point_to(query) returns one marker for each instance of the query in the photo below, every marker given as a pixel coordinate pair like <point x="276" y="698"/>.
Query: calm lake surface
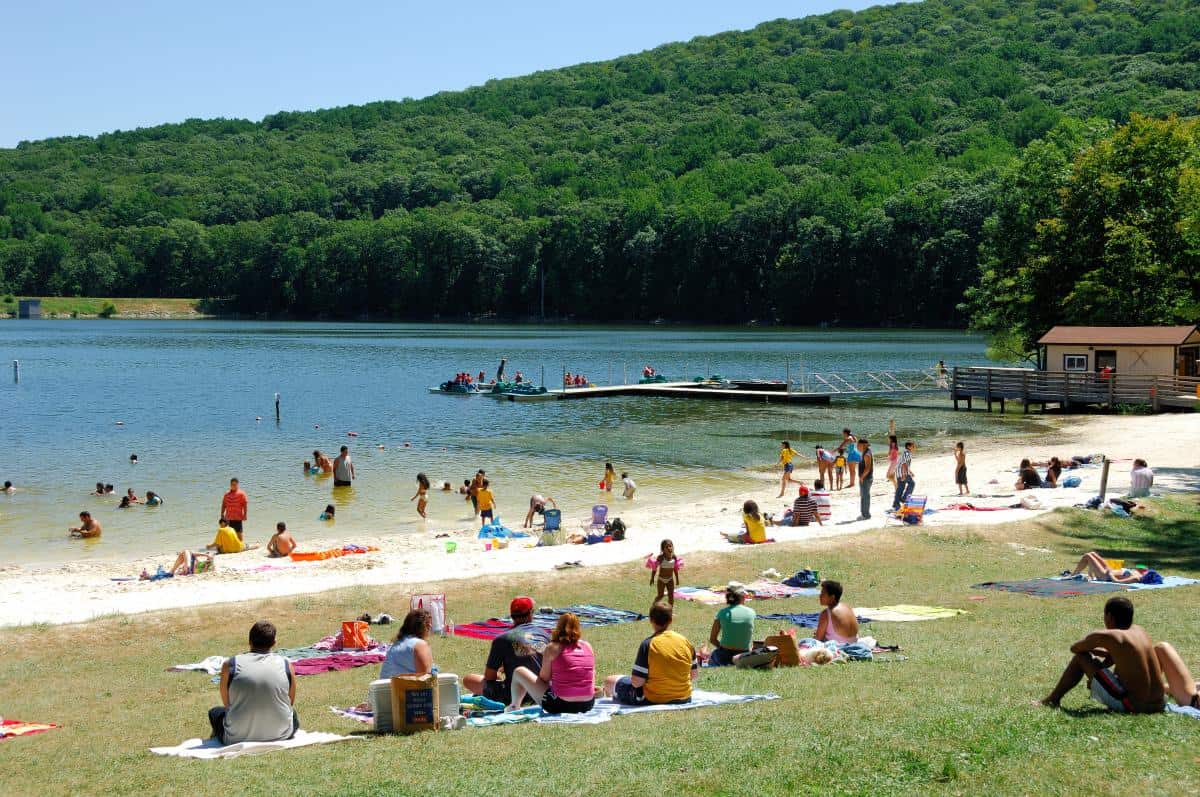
<point x="189" y="394"/>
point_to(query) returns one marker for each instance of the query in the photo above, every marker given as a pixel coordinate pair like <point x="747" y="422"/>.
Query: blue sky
<point x="88" y="66"/>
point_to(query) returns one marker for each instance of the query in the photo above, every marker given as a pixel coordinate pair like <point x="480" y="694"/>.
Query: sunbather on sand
<point x="1098" y="570"/>
<point x="1134" y="684"/>
<point x="185" y="562"/>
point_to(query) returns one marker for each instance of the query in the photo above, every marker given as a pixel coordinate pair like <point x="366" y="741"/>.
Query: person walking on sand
<point x="904" y="477"/>
<point x="960" y="469"/>
<point x="422" y="489"/>
<point x="866" y="475"/>
<point x="343" y="469"/>
<point x="786" y="454"/>
<point x="234" y="507"/>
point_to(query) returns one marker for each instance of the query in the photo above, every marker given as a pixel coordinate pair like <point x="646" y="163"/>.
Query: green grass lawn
<point x="87" y="306"/>
<point x="955" y="717"/>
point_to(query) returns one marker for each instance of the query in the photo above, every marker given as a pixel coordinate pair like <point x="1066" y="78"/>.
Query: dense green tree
<point x="851" y="167"/>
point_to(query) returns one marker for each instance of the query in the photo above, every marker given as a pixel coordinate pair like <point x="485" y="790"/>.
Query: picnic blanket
<point x="603" y="711"/>
<point x="11" y="728"/>
<point x="1060" y="587"/>
<point x="212" y="747"/>
<point x="1186" y="711"/>
<point x="308" y="660"/>
<point x="908" y="613"/>
<point x="330" y="553"/>
<point x="336" y="661"/>
<point x="544" y="619"/>
<point x="757" y="590"/>
<point x="803" y="619"/>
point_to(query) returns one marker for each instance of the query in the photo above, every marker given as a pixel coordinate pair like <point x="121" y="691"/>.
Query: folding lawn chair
<point x="553" y="518"/>
<point x="599" y="517"/>
<point x="913" y="510"/>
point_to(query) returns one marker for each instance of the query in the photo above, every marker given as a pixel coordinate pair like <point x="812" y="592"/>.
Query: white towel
<point x="212" y="748"/>
<point x="212" y="665"/>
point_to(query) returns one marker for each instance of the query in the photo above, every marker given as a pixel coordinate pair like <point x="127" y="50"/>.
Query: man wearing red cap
<point x="520" y="646"/>
<point x="805" y="510"/>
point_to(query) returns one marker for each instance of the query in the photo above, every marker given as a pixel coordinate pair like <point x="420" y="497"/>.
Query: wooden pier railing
<point x="1071" y="389"/>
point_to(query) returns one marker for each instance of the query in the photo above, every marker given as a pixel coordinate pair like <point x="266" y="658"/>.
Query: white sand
<point x="77" y="592"/>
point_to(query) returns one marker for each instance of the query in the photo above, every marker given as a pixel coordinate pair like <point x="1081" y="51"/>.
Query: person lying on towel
<point x="1120" y="664"/>
<point x="1098" y="570"/>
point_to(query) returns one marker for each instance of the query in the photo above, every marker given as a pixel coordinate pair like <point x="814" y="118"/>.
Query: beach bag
<point x="803" y="578"/>
<point x="435" y="604"/>
<point x="1031" y="502"/>
<point x="1072" y="481"/>
<point x="787" y="653"/>
<point x="354" y="635"/>
<point x="616" y="528"/>
<point x="761" y="657"/>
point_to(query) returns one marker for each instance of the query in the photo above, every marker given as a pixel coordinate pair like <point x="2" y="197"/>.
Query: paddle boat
<point x="452" y="388"/>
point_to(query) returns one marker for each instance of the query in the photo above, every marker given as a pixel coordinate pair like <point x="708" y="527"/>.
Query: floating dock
<point x="692" y="390"/>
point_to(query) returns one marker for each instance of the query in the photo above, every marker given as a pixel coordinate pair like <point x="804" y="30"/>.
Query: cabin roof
<point x="1119" y="336"/>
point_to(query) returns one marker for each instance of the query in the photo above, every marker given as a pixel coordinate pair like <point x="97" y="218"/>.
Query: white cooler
<point x="379" y="695"/>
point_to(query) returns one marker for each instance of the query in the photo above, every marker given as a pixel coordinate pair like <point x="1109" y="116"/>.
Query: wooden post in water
<point x="1104" y="479"/>
<point x="16" y="371"/>
<point x="610" y="373"/>
<point x="543" y="382"/>
<point x="276" y="408"/>
<point x="788" y="379"/>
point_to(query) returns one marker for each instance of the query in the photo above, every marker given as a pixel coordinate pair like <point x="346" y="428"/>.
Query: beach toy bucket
<point x="608" y="538"/>
<point x="451" y="546"/>
<point x="487" y="546"/>
<point x="1115" y="564"/>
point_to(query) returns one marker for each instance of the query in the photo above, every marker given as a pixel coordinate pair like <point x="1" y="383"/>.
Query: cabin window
<point x="1075" y="362"/>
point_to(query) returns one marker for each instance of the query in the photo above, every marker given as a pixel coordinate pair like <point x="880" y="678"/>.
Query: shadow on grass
<point x="1167" y="540"/>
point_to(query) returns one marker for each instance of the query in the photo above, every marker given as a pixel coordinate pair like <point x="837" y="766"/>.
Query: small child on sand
<point x="422" y="489"/>
<point x="839" y="468"/>
<point x="665" y="570"/>
<point x="960" y="469"/>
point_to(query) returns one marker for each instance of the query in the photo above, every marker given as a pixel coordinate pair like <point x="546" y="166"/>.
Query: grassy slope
<point x="953" y="718"/>
<point x="64" y="306"/>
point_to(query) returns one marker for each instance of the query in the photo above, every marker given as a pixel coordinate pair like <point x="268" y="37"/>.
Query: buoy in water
<point x="258" y="419"/>
<point x="409" y="445"/>
<point x="120" y="423"/>
<point x="351" y="434"/>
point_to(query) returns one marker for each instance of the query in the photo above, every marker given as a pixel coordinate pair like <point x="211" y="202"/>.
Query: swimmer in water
<point x="88" y="526"/>
<point x="328" y="513"/>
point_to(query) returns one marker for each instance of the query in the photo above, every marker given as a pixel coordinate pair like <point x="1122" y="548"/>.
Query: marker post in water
<point x="276" y="408"/>
<point x="16" y="370"/>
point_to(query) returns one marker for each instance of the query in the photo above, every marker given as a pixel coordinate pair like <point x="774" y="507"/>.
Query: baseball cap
<point x="736" y="587"/>
<point x="521" y="605"/>
<point x="804" y="489"/>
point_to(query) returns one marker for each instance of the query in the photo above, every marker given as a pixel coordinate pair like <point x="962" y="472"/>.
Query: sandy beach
<point x="76" y="592"/>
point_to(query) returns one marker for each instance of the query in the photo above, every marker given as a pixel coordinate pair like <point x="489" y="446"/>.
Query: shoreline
<point x="80" y="591"/>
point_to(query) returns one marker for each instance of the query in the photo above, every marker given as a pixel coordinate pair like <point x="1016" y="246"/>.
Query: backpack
<point x="615" y="528"/>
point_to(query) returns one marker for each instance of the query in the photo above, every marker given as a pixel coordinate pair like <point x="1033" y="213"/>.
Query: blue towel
<point x="802" y="619"/>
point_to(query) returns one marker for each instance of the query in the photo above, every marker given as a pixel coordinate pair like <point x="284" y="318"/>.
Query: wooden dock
<point x="1068" y="390"/>
<point x="690" y="390"/>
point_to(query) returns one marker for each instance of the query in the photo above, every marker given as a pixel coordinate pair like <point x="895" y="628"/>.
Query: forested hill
<point x="839" y="167"/>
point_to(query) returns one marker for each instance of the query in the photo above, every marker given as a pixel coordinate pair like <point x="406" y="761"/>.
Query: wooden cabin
<point x="1130" y="351"/>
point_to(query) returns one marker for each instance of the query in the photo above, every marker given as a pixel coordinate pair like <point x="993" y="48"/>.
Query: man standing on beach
<point x="866" y="474"/>
<point x="233" y="507"/>
<point x="343" y="469"/>
<point x="904" y="477"/>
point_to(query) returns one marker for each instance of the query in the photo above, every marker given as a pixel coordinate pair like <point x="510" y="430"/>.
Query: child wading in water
<point x="422" y="489"/>
<point x="960" y="469"/>
<point x="610" y="476"/>
<point x="665" y="570"/>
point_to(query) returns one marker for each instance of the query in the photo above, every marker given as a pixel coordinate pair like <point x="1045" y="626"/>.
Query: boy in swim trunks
<point x="1120" y="663"/>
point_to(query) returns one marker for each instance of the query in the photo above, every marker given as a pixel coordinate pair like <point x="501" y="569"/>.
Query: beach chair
<point x="553" y="518"/>
<point x="913" y="510"/>
<point x="599" y="517"/>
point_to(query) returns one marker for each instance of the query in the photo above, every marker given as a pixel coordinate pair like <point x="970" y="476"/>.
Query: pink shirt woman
<point x="566" y="682"/>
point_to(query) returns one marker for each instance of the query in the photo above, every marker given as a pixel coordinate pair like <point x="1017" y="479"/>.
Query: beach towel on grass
<point x="1167" y="583"/>
<point x="1186" y="711"/>
<point x="803" y="619"/>
<point x="212" y="747"/>
<point x="758" y="590"/>
<point x="908" y="613"/>
<point x="606" y="709"/>
<point x="1053" y="587"/>
<point x="305" y="661"/>
<point x="544" y="619"/>
<point x="13" y="728"/>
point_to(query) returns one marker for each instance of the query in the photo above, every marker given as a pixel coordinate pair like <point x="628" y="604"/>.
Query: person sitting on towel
<point x="756" y="526"/>
<point x="733" y="628"/>
<point x="1134" y="685"/>
<point x="258" y="692"/>
<point x="663" y="669"/>
<point x="1028" y="478"/>
<point x="1098" y="570"/>
<point x="837" y="622"/>
<point x="520" y="646"/>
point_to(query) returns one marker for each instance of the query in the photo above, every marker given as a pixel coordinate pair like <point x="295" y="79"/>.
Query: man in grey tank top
<point x="258" y="690"/>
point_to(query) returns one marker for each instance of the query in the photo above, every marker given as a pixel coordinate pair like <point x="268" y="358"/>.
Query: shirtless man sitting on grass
<point x="1135" y="684"/>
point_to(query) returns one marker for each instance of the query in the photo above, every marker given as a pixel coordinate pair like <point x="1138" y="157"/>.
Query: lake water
<point x="188" y="394"/>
